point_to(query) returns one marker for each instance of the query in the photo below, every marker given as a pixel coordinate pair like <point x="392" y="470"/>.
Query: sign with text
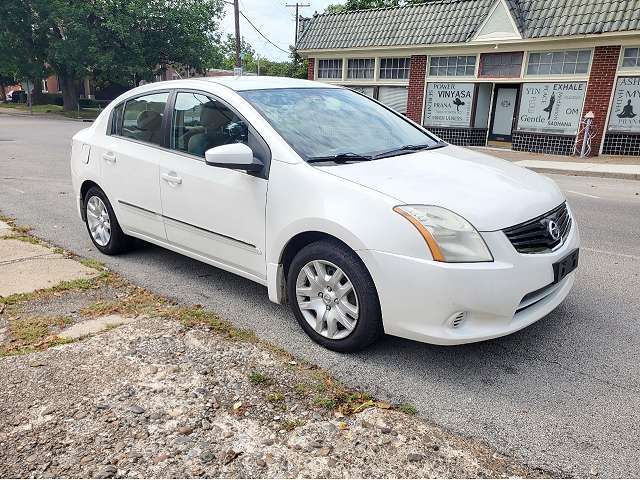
<point x="449" y="104"/>
<point x="552" y="107"/>
<point x="625" y="108"/>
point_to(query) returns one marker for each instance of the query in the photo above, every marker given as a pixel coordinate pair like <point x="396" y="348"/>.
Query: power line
<point x="257" y="30"/>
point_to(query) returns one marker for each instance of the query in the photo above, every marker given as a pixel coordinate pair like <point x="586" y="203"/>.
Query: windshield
<point x="330" y="122"/>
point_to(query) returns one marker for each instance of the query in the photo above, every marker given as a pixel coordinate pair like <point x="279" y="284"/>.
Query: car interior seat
<point x="149" y="125"/>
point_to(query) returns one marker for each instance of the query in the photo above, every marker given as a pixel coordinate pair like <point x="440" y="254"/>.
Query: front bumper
<point x="420" y="299"/>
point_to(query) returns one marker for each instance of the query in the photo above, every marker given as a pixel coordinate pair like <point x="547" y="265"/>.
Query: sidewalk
<point x="606" y="166"/>
<point x="48" y="113"/>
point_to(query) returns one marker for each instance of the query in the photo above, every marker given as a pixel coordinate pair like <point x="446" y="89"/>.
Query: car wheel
<point x="102" y="224"/>
<point x="333" y="297"/>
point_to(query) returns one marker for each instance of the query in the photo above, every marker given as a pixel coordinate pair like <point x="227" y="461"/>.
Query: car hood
<point x="489" y="192"/>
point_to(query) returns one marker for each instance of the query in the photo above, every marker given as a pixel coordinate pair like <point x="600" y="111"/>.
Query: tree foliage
<point x="114" y="39"/>
<point x="350" y="5"/>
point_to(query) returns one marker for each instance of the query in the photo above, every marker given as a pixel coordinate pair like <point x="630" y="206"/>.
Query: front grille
<point x="535" y="236"/>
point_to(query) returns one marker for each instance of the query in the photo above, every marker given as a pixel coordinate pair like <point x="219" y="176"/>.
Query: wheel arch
<point x="84" y="188"/>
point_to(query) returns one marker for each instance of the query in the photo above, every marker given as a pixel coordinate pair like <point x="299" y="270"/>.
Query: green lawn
<point x="89" y="113"/>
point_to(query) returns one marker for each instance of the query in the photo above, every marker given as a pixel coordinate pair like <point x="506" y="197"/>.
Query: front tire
<point x="333" y="297"/>
<point x="102" y="224"/>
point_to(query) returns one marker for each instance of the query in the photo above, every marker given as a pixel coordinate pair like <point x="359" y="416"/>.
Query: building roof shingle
<point x="456" y="21"/>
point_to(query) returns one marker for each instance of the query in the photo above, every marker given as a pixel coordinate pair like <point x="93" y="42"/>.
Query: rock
<point x="107" y="472"/>
<point x="385" y="430"/>
<point x="207" y="456"/>
<point x="414" y="457"/>
<point x="324" y="451"/>
<point x="185" y="430"/>
<point x="137" y="409"/>
<point x="261" y="463"/>
<point x="160" y="458"/>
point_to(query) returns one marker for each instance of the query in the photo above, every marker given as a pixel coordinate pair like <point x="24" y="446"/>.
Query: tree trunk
<point x="69" y="88"/>
<point x="3" y="95"/>
<point x="37" y="96"/>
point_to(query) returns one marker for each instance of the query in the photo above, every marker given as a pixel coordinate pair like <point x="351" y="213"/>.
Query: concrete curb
<point x="587" y="173"/>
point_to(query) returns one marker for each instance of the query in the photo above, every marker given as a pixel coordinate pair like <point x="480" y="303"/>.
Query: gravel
<point x="154" y="399"/>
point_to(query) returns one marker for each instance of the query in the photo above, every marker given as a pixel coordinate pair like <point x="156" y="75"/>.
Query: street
<point x="563" y="394"/>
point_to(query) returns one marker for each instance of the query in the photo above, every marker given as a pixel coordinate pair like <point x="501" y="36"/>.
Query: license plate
<point x="565" y="266"/>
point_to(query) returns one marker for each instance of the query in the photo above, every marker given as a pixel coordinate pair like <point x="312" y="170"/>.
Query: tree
<point x="115" y="39"/>
<point x="351" y="5"/>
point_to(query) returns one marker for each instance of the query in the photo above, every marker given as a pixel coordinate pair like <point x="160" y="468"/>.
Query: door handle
<point x="171" y="179"/>
<point x="109" y="157"/>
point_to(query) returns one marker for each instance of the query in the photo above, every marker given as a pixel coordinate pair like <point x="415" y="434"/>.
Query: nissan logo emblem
<point x="553" y="229"/>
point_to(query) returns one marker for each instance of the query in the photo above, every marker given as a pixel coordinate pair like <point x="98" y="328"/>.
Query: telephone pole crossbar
<point x="297" y="6"/>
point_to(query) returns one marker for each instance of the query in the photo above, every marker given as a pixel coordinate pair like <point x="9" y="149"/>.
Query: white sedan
<point x="361" y="220"/>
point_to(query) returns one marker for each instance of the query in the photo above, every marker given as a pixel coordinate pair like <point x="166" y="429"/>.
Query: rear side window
<point x="142" y="118"/>
<point x="116" y="120"/>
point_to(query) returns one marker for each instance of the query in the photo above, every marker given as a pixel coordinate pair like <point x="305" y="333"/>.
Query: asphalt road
<point x="562" y="394"/>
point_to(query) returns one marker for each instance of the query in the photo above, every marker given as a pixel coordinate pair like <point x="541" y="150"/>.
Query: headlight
<point x="449" y="236"/>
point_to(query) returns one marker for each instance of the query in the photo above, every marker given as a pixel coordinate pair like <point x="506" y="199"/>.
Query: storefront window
<point x="330" y="68"/>
<point x="368" y="91"/>
<point x="500" y="65"/>
<point x="452" y="66"/>
<point x="625" y="108"/>
<point x="551" y="107"/>
<point x="394" y="97"/>
<point x="360" y="67"/>
<point x="631" y="58"/>
<point x="449" y="104"/>
<point x="559" y="63"/>
<point x="394" y="68"/>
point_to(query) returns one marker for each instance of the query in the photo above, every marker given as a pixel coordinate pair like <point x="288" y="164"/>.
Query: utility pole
<point x="297" y="6"/>
<point x="236" y="14"/>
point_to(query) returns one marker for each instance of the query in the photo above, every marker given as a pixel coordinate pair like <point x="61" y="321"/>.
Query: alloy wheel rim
<point x="98" y="221"/>
<point x="327" y="299"/>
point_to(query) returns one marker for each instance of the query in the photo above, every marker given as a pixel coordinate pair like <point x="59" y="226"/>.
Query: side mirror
<point x="236" y="156"/>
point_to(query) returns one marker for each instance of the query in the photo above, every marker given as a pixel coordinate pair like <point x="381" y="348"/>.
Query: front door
<point x="504" y="111"/>
<point x="214" y="213"/>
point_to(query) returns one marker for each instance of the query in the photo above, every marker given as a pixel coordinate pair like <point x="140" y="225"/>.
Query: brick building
<point x="520" y="74"/>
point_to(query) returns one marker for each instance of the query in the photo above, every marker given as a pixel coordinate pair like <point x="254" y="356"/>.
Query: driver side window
<point x="200" y="123"/>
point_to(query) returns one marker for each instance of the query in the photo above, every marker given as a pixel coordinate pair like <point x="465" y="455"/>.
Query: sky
<point x="274" y="20"/>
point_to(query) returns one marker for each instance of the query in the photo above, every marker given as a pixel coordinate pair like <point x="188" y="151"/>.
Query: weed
<point x="324" y="402"/>
<point x="275" y="396"/>
<point x="408" y="409"/>
<point x="258" y="378"/>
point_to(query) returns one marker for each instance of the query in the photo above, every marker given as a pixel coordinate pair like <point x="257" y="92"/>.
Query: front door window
<point x="503" y="113"/>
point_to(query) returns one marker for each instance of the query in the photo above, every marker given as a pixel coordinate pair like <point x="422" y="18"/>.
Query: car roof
<point x="239" y="83"/>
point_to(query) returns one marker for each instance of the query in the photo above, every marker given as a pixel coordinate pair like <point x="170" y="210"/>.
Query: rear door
<point x="129" y="161"/>
<point x="213" y="212"/>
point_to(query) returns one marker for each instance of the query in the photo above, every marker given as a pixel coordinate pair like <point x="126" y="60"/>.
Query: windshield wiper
<point x="340" y="158"/>
<point x="410" y="149"/>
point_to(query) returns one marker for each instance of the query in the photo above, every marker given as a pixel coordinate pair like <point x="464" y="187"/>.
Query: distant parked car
<point x="17" y="96"/>
<point x="363" y="221"/>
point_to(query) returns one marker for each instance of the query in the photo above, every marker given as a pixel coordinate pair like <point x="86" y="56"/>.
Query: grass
<point x="258" y="378"/>
<point x="275" y="397"/>
<point x="408" y="409"/>
<point x="31" y="333"/>
<point x="85" y="113"/>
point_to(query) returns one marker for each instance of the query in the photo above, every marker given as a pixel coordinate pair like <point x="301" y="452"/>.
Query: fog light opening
<point x="457" y="319"/>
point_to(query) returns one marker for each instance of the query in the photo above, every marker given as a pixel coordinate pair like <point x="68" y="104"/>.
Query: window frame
<point x="357" y="68"/>
<point x="264" y="173"/>
<point x="455" y="75"/>
<point x="124" y="102"/>
<point x="563" y="51"/>
<point x="485" y="55"/>
<point x="341" y="69"/>
<point x="627" y="69"/>
<point x="381" y="68"/>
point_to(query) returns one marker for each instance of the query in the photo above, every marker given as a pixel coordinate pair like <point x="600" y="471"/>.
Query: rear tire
<point x="102" y="224"/>
<point x="333" y="297"/>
